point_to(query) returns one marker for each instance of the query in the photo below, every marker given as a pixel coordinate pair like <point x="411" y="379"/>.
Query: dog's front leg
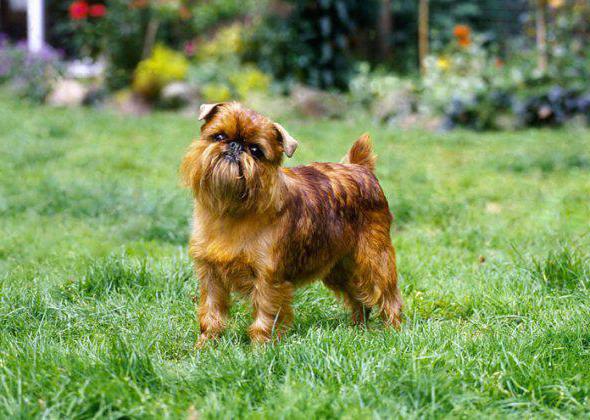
<point x="272" y="309"/>
<point x="213" y="304"/>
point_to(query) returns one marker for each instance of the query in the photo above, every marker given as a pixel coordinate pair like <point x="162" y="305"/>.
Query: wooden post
<point x="541" y="32"/>
<point x="385" y="25"/>
<point x="422" y="34"/>
<point x="35" y="25"/>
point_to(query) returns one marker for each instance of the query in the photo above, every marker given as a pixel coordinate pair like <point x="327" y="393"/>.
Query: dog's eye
<point x="256" y="151"/>
<point x="219" y="137"/>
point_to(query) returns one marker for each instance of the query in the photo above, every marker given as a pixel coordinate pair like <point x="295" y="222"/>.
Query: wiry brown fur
<point x="262" y="230"/>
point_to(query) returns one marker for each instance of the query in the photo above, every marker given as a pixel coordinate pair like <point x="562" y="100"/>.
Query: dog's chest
<point x="234" y="247"/>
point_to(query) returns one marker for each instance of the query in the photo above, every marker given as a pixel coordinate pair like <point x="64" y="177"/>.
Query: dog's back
<point x="330" y="205"/>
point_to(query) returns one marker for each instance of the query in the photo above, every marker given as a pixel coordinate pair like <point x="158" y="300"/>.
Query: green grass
<point x="96" y="311"/>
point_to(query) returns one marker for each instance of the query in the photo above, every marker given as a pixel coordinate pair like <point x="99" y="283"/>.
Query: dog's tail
<point x="361" y="153"/>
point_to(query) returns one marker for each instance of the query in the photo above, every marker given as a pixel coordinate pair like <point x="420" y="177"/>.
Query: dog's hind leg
<point x="339" y="281"/>
<point x="374" y="280"/>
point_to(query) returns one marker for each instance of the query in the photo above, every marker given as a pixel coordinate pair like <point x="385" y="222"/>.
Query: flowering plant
<point x="155" y="72"/>
<point x="462" y="34"/>
<point x="88" y="25"/>
<point x="461" y="72"/>
<point x="29" y="75"/>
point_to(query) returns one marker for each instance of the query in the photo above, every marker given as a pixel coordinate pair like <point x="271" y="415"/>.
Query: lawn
<point x="96" y="289"/>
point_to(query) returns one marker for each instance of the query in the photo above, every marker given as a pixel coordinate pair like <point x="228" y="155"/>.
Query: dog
<point x="262" y="230"/>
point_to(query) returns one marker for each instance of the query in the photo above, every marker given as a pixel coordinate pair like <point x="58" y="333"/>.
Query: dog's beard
<point x="229" y="185"/>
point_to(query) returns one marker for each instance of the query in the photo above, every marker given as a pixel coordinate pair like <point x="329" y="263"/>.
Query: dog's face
<point x="233" y="167"/>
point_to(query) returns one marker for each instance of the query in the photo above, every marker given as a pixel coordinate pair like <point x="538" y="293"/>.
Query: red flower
<point x="98" y="10"/>
<point x="78" y="10"/>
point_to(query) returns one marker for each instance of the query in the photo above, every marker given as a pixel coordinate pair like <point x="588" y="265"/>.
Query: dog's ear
<point x="289" y="143"/>
<point x="207" y="110"/>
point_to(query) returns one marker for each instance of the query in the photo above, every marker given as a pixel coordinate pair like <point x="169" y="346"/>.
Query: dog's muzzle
<point x="233" y="151"/>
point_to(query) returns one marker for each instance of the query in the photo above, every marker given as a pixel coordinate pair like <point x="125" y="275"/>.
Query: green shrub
<point x="164" y="66"/>
<point x="312" y="44"/>
<point x="29" y="75"/>
<point x="219" y="72"/>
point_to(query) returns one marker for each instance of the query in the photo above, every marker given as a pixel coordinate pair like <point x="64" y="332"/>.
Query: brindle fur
<point x="262" y="230"/>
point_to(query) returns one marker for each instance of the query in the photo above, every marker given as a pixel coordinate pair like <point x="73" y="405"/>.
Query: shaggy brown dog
<point x="263" y="230"/>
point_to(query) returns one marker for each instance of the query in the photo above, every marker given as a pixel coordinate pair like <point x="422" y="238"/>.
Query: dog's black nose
<point x="236" y="147"/>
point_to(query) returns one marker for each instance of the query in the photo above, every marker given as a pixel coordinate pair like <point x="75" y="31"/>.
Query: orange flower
<point x="464" y="42"/>
<point x="462" y="31"/>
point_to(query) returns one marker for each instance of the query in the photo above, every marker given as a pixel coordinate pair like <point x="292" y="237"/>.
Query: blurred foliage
<point x="123" y="35"/>
<point x="310" y="41"/>
<point x="366" y="87"/>
<point x="316" y="42"/>
<point x="249" y="79"/>
<point x="461" y="72"/>
<point x="218" y="69"/>
<point x="164" y="66"/>
<point x="124" y="41"/>
<point x="223" y="80"/>
<point x="29" y="75"/>
<point x="473" y="87"/>
<point x="482" y="73"/>
<point x="497" y="19"/>
<point x="216" y="92"/>
<point x="226" y="43"/>
<point x="386" y="95"/>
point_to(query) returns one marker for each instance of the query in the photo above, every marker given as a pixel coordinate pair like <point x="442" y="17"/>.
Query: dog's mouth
<point x="226" y="177"/>
<point x="230" y="157"/>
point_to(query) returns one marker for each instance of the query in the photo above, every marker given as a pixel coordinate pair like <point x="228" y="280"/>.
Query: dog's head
<point x="233" y="166"/>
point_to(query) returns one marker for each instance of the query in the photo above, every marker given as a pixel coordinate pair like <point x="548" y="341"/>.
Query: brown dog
<point x="262" y="230"/>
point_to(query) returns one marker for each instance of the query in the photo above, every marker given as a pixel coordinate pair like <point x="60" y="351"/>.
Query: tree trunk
<point x="422" y="34"/>
<point x="150" y="37"/>
<point x="385" y="27"/>
<point x="541" y="23"/>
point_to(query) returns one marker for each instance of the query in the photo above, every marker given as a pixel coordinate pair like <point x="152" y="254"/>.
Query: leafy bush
<point x="226" y="43"/>
<point x="127" y="29"/>
<point x="218" y="70"/>
<point x="87" y="25"/>
<point x="164" y="66"/>
<point x="366" y="86"/>
<point x="29" y="75"/>
<point x="312" y="43"/>
<point x="249" y="79"/>
<point x="462" y="71"/>
<point x="216" y="92"/>
<point x="554" y="107"/>
<point x="386" y="95"/>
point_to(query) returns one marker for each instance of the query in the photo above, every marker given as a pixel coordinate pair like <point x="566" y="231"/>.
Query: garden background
<point x="479" y="112"/>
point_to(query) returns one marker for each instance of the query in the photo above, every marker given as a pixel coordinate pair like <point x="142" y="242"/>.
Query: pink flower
<point x="189" y="48"/>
